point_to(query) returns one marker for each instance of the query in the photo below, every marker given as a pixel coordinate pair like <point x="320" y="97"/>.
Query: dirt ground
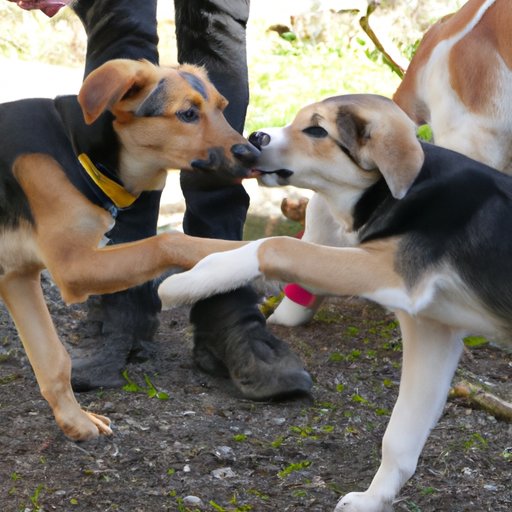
<point x="205" y="448"/>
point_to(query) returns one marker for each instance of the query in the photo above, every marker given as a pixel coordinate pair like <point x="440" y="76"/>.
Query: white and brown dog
<point x="430" y="226"/>
<point x="460" y="83"/>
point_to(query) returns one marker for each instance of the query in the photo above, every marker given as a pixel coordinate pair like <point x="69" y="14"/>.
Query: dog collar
<point x="114" y="191"/>
<point x="299" y="295"/>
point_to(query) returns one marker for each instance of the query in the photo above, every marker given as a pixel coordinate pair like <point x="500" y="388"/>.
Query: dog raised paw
<point x="217" y="273"/>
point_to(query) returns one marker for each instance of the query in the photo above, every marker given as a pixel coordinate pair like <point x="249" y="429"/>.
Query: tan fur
<point x="446" y="27"/>
<point x="67" y="228"/>
<point x="344" y="271"/>
<point x="460" y="82"/>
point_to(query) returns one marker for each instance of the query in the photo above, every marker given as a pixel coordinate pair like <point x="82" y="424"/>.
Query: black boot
<point x="231" y="339"/>
<point x="121" y="328"/>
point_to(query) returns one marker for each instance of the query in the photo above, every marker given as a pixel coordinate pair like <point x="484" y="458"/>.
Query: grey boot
<point x="231" y="339"/>
<point x="121" y="329"/>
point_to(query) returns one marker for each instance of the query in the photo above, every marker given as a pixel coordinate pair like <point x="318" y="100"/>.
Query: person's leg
<point x="230" y="334"/>
<point x="122" y="325"/>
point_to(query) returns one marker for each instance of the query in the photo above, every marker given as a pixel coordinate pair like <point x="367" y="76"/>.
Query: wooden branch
<point x="365" y="25"/>
<point x="482" y="399"/>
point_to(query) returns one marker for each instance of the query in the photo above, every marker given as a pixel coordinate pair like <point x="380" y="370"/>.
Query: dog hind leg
<point x="431" y="352"/>
<point x="24" y="299"/>
<point x="320" y="228"/>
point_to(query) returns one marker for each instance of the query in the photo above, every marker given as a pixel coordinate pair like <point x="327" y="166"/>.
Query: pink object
<point x="49" y="7"/>
<point x="299" y="295"/>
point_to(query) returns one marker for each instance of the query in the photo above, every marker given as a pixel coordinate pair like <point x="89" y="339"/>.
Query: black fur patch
<point x="196" y="83"/>
<point x="154" y="104"/>
<point x="458" y="211"/>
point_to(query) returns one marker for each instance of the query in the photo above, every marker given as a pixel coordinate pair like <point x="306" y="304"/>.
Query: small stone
<point x="193" y="501"/>
<point x="222" y="473"/>
<point x="224" y="453"/>
<point x="186" y="469"/>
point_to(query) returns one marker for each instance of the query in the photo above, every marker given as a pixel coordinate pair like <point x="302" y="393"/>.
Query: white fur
<point x="217" y="273"/>
<point x="429" y="349"/>
<point x="484" y="137"/>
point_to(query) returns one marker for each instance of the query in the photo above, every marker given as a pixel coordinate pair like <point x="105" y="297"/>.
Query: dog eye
<point x="315" y="131"/>
<point x="190" y="115"/>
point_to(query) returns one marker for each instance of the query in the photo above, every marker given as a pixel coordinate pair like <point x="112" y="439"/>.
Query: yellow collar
<point x="113" y="190"/>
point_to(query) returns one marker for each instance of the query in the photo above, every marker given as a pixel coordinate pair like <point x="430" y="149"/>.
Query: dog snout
<point x="246" y="154"/>
<point x="259" y="139"/>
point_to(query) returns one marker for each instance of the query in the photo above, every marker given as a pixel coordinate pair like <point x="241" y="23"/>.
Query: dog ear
<point x="154" y="104"/>
<point x="382" y="137"/>
<point x="111" y="83"/>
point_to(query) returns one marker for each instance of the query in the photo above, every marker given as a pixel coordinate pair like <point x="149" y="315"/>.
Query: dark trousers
<point x="209" y="33"/>
<point x="212" y="34"/>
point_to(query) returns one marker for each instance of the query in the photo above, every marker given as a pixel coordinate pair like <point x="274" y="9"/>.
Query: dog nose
<point x="259" y="139"/>
<point x="245" y="153"/>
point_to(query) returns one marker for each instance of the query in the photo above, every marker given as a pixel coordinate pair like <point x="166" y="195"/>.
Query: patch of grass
<point x="7" y="379"/>
<point x="357" y="398"/>
<point x="476" y="442"/>
<point x="305" y="431"/>
<point x="336" y="357"/>
<point x="292" y="468"/>
<point x="428" y="491"/>
<point x="258" y="494"/>
<point x="277" y="442"/>
<point x="412" y="507"/>
<point x="327" y="316"/>
<point x="149" y="389"/>
<point x="475" y="341"/>
<point x="352" y="330"/>
<point x="34" y="499"/>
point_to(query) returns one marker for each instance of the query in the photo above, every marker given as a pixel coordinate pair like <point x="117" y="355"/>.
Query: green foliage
<point x="291" y="468"/>
<point x="150" y="390"/>
<point x="475" y="341"/>
<point x="34" y="499"/>
<point x="476" y="442"/>
<point x="424" y="133"/>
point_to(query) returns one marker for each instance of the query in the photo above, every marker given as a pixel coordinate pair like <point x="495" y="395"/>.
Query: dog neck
<point x="139" y="175"/>
<point x="342" y="204"/>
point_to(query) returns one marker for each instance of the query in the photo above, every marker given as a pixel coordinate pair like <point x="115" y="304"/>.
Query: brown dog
<point x="460" y="82"/>
<point x="164" y="118"/>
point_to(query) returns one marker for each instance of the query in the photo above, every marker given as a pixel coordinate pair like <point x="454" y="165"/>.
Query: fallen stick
<point x="477" y="396"/>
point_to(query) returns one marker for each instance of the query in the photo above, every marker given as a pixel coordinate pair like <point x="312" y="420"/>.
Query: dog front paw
<point x="84" y="426"/>
<point x="217" y="273"/>
<point x="362" y="502"/>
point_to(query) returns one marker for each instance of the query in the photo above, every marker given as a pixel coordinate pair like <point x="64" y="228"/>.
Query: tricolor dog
<point x="56" y="205"/>
<point x="431" y="245"/>
<point x="460" y="83"/>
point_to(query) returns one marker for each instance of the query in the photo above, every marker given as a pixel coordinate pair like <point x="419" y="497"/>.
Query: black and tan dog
<point x="56" y="206"/>
<point x="432" y="245"/>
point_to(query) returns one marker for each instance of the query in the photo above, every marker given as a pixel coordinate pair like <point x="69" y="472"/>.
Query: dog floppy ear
<point x="111" y="83"/>
<point x="377" y="134"/>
